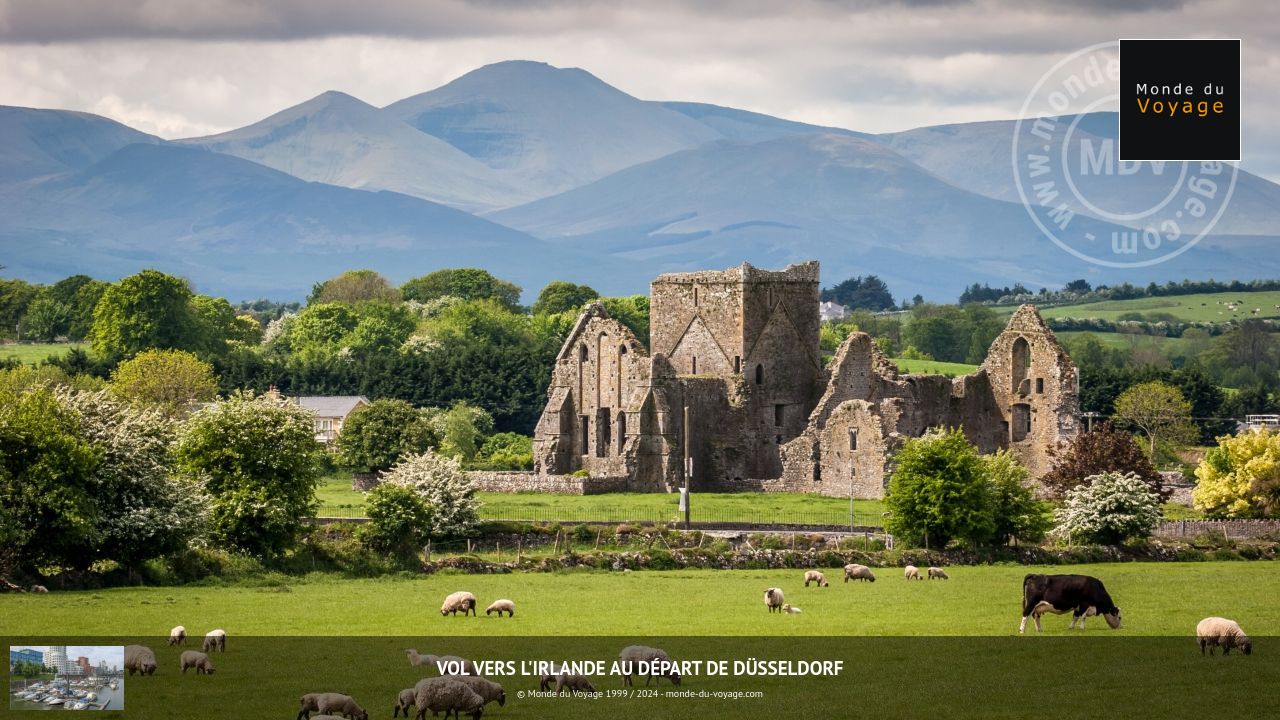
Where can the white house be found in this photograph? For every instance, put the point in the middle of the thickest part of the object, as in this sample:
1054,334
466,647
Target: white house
331,412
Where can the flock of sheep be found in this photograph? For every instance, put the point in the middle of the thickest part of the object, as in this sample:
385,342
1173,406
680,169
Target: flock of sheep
776,600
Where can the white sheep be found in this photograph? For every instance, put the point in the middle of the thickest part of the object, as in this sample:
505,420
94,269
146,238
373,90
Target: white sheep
574,683
791,609
911,572
635,654
331,703
937,573
197,660
461,601
854,571
435,661
404,701
485,688
177,636
501,606
139,659
39,589
215,640
773,599
449,695
1213,632
815,576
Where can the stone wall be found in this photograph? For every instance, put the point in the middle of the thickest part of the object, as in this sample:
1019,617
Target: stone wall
1231,529
530,481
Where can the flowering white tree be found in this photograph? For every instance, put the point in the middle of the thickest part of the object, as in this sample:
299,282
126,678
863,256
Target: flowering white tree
445,489
145,511
1109,509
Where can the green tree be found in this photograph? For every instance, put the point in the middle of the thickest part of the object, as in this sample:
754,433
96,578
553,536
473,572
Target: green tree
939,492
1109,510
506,451
1104,449
320,328
1159,412
446,491
258,460
464,283
1016,511
866,293
462,430
632,311
48,514
560,296
377,435
353,287
46,318
15,296
1240,478
171,381
144,311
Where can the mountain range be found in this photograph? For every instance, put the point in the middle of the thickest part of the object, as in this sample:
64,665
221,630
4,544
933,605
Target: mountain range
540,173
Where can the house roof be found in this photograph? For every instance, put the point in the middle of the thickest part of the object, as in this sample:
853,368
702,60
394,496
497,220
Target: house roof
332,406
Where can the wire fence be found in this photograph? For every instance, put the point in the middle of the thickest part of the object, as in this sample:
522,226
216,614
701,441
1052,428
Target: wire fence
650,516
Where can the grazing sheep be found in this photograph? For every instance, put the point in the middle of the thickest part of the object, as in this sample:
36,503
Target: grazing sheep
449,695
403,702
937,573
791,609
485,688
177,636
574,683
435,661
1213,632
858,572
197,660
773,599
39,589
911,572
139,659
815,576
331,703
639,653
215,640
501,606
461,601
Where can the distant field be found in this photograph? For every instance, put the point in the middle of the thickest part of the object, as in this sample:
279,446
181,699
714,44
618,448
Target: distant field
1124,341
335,496
32,353
933,367
1205,307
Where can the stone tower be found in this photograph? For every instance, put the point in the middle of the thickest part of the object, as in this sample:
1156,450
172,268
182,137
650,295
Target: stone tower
757,330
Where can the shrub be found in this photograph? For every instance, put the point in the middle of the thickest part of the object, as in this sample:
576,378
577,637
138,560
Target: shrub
506,451
1105,449
939,492
1016,511
1112,508
400,520
445,490
376,436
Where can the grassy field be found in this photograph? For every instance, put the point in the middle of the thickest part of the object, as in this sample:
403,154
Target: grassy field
934,367
963,658
335,493
1157,599
1168,346
1204,307
33,353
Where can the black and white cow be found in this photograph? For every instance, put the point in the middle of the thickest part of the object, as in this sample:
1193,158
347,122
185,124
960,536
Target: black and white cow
1080,595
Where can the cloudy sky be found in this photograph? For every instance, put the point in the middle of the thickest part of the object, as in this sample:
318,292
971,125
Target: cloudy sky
178,68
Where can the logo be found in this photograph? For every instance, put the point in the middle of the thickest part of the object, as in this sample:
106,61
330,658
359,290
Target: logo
1082,196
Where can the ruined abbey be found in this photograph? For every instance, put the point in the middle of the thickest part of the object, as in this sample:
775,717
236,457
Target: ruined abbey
735,355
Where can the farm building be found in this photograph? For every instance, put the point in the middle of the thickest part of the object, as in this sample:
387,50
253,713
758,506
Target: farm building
735,355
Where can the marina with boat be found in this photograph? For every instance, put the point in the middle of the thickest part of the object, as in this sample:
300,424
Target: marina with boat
61,693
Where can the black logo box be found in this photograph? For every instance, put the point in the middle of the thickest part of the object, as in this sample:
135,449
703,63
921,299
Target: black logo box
1186,68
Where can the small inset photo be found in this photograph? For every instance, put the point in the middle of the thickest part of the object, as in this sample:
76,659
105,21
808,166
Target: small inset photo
70,677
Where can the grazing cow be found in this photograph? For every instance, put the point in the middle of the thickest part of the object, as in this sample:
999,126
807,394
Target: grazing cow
1081,595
